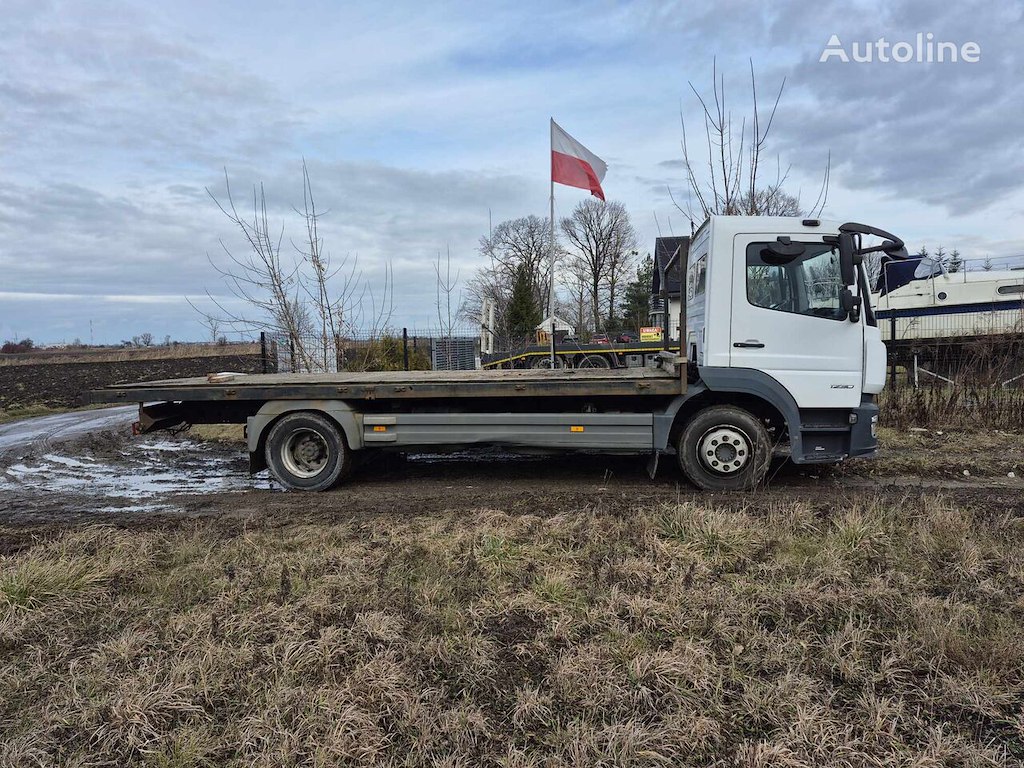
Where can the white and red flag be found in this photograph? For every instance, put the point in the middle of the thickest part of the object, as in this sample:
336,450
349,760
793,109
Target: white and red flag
573,164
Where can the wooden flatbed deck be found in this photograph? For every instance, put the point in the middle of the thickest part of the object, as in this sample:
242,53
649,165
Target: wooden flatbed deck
398,385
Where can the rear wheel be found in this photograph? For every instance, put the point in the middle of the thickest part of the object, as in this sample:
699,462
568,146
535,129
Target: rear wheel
545,362
724,448
307,452
594,361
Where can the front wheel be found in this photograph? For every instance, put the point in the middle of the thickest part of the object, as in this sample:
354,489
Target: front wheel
724,448
307,452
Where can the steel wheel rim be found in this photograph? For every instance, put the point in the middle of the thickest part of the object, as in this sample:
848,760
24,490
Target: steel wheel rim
305,453
724,450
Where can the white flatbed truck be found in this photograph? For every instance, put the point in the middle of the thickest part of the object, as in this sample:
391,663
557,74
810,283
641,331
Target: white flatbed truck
781,354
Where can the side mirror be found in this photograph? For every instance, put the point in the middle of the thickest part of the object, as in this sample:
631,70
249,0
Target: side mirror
782,251
895,251
850,304
848,258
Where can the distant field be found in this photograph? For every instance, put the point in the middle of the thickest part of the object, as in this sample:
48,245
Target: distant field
58,382
122,354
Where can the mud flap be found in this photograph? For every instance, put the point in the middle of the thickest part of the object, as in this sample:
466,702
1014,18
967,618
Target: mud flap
652,464
159,416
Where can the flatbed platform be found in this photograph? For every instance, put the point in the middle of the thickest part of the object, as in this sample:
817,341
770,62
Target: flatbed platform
397,385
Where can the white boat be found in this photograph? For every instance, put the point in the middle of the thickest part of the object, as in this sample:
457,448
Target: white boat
950,306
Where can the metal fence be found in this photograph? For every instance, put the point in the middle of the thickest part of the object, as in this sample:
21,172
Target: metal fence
405,349
938,327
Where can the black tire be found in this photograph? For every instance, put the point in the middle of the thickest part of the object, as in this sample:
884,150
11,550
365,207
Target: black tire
724,448
545,362
307,452
594,361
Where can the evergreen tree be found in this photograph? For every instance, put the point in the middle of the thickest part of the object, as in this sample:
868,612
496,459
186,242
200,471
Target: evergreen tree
956,263
523,314
987,264
636,298
942,257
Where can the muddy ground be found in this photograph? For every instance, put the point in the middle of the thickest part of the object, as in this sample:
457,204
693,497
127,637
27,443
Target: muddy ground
97,472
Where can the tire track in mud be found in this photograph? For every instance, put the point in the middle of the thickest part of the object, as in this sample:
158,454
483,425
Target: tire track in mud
39,434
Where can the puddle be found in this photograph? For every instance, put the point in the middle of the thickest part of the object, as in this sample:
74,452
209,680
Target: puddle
150,468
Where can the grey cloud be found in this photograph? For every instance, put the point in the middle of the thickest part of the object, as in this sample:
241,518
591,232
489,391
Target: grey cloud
157,240
945,134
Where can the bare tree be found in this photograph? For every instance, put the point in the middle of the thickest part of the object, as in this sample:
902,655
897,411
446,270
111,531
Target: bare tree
310,301
330,300
446,287
730,178
515,244
575,279
212,323
523,243
600,234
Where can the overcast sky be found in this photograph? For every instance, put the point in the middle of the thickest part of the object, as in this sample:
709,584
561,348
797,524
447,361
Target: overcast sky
420,122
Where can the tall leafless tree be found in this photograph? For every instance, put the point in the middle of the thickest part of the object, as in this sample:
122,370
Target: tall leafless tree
576,280
447,285
601,237
313,303
729,176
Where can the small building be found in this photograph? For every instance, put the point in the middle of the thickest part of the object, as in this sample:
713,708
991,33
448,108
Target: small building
664,249
562,329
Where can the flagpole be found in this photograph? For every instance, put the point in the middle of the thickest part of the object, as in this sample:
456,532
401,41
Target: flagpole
551,256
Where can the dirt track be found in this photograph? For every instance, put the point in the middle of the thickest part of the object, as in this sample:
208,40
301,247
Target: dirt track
68,475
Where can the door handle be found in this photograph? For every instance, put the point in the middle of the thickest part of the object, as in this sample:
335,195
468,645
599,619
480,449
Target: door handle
749,344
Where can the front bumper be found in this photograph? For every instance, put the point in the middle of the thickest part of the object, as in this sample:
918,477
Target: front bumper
831,435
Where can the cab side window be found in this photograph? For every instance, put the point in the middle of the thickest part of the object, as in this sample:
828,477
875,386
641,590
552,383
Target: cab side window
810,284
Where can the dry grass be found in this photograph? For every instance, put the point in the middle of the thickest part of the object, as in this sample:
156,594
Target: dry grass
125,354
218,433
890,633
938,453
959,407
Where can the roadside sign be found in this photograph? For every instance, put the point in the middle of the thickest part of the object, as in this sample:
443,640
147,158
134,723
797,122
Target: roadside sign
650,334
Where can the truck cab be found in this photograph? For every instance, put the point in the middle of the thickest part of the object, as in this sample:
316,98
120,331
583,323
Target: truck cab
769,311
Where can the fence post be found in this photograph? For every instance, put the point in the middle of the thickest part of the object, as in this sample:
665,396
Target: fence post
892,344
405,347
263,351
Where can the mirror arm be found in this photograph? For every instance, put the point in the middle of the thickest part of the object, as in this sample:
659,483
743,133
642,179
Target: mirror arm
865,229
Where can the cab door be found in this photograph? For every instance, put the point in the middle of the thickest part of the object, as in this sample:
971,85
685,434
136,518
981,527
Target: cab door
787,321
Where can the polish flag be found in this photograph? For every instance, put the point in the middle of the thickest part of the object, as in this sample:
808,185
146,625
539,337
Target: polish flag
573,164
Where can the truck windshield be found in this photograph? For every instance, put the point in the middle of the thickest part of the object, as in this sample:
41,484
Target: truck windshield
810,284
